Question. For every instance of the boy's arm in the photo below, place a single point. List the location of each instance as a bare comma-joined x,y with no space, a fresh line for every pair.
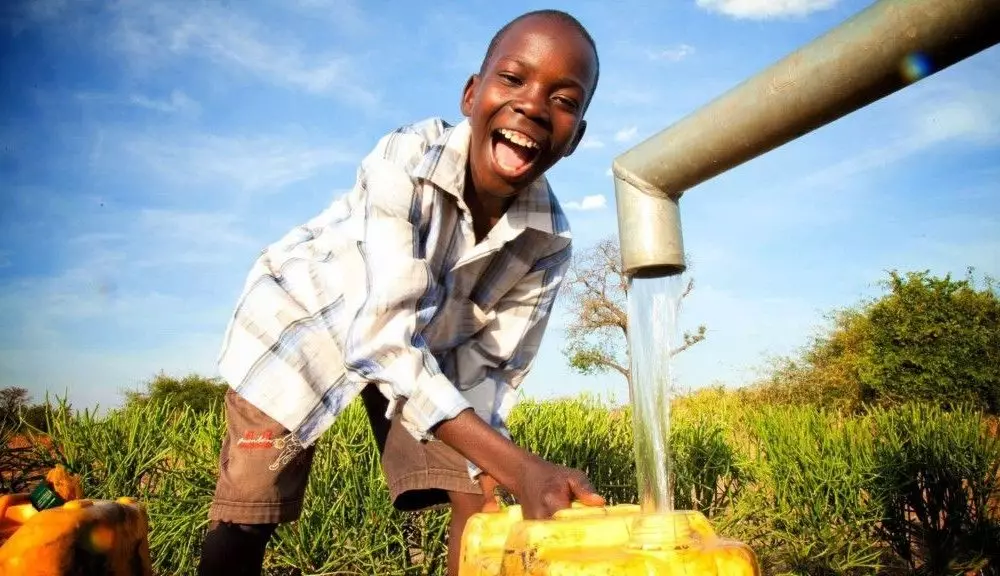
541,488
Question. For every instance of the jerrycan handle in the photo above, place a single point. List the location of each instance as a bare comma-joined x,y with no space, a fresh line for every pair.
578,509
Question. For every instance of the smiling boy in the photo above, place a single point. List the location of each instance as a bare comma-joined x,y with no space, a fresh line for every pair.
426,291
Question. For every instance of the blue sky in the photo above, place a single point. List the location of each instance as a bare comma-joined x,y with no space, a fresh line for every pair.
149,149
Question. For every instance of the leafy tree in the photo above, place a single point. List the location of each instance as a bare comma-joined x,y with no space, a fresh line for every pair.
12,401
36,416
934,339
928,339
193,391
597,335
16,411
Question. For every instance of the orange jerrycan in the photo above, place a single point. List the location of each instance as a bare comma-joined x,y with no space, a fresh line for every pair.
591,541
70,534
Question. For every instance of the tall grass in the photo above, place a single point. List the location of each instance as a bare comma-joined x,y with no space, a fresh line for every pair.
813,473
907,490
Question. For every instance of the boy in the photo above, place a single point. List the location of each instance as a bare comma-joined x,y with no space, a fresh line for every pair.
425,290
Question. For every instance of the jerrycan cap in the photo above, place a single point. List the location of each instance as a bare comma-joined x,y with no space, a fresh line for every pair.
44,497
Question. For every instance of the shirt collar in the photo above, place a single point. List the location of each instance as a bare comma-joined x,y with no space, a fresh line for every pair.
444,165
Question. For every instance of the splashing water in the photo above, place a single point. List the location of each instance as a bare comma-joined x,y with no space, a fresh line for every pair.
653,307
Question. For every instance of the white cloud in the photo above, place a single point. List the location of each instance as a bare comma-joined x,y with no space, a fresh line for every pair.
949,115
673,54
594,202
626,134
46,9
591,142
151,32
162,282
178,102
263,163
190,237
764,9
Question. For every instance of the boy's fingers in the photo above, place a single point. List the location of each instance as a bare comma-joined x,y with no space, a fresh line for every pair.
585,493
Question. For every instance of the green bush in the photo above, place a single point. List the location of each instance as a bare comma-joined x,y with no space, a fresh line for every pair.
931,339
193,391
934,339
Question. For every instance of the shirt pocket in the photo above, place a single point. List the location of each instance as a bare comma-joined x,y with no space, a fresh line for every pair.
457,321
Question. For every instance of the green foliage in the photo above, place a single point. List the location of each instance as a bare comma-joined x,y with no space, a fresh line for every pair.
589,359
597,304
930,339
198,393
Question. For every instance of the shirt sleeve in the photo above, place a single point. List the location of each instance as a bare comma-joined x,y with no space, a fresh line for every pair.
383,343
492,365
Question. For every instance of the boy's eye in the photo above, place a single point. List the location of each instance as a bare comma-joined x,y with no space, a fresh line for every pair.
509,78
568,102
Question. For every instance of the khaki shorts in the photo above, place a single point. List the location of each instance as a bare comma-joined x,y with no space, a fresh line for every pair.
263,471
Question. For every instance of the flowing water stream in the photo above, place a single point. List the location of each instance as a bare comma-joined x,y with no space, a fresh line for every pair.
653,334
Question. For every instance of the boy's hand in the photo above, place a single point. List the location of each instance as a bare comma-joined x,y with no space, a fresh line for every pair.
544,488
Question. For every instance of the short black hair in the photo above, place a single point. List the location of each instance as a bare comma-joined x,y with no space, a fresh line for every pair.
563,17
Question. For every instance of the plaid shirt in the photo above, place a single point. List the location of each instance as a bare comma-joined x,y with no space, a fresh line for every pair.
388,286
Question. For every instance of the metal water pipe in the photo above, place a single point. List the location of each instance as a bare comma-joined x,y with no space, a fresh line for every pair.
858,62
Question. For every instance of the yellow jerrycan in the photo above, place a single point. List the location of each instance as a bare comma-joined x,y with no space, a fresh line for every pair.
54,531
606,541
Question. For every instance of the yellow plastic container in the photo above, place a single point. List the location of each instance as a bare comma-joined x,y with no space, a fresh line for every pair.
93,537
591,541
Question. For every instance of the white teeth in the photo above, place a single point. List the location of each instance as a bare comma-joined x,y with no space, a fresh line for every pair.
518,138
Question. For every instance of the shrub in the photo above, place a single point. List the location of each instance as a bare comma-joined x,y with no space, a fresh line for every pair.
937,475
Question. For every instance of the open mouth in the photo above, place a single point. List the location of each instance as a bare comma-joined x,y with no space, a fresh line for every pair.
513,151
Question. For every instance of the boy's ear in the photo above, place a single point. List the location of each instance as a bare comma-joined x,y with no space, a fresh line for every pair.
577,138
469,94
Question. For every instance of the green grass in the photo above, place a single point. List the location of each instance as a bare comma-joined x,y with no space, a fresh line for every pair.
906,490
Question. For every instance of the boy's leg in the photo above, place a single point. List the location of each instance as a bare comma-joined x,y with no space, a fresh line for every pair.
463,506
423,476
263,473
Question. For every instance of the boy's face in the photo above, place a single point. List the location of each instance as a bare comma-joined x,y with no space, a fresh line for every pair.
526,109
